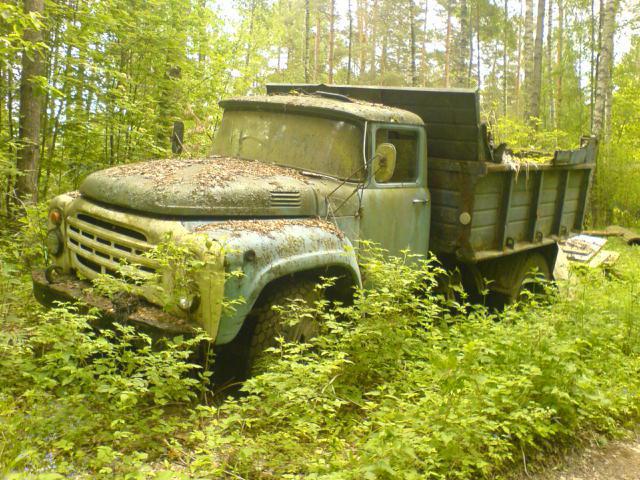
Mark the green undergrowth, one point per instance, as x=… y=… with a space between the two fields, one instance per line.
x=399 y=385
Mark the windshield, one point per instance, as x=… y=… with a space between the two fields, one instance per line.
x=316 y=144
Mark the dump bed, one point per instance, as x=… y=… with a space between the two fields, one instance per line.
x=483 y=210
x=485 y=204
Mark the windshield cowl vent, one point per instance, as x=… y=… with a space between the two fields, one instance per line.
x=285 y=199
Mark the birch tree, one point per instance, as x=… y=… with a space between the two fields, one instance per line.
x=604 y=68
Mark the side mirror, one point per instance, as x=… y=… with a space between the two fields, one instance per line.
x=384 y=162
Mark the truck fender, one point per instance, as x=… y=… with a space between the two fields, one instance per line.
x=502 y=272
x=256 y=260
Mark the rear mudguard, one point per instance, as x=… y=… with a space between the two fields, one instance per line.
x=259 y=252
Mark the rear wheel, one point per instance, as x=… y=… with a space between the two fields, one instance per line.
x=516 y=278
x=532 y=276
x=270 y=324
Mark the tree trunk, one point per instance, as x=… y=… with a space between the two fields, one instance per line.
x=202 y=33
x=447 y=51
x=592 y=72
x=332 y=27
x=603 y=85
x=316 y=48
x=528 y=53
x=383 y=57
x=425 y=66
x=470 y=66
x=461 y=74
x=412 y=27
x=536 y=84
x=350 y=44
x=247 y=58
x=362 y=52
x=10 y=121
x=307 y=27
x=479 y=76
x=504 y=60
x=516 y=93
x=549 y=82
x=30 y=110
x=373 y=40
x=559 y=62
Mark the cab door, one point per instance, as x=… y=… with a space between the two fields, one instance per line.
x=396 y=214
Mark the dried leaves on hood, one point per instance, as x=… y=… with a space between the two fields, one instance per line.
x=203 y=172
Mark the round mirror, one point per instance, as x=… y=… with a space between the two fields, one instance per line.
x=384 y=162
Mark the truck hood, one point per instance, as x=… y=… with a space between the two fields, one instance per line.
x=215 y=186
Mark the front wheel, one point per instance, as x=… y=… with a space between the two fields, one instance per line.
x=269 y=323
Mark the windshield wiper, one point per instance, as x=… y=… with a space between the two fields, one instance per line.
x=318 y=175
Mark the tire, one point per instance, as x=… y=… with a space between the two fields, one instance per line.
x=269 y=324
x=532 y=275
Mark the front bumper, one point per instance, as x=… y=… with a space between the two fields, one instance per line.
x=136 y=310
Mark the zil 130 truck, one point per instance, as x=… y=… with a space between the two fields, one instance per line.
x=297 y=178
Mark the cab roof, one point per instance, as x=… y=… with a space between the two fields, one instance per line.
x=336 y=107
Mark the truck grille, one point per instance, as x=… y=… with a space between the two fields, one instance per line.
x=102 y=247
x=286 y=199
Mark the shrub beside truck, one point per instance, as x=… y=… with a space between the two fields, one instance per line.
x=299 y=177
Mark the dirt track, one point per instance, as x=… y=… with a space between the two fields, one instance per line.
x=618 y=460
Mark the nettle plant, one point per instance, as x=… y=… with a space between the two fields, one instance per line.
x=72 y=397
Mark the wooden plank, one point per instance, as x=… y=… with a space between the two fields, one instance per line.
x=457 y=150
x=449 y=131
x=446 y=215
x=445 y=197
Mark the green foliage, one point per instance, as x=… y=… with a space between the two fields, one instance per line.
x=72 y=397
x=401 y=384
x=396 y=388
x=523 y=137
x=179 y=269
x=617 y=193
x=178 y=265
x=77 y=399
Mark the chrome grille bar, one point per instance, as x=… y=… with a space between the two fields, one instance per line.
x=101 y=250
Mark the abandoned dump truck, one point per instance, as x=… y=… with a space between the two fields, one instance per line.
x=298 y=177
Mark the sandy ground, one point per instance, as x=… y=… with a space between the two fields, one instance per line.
x=619 y=460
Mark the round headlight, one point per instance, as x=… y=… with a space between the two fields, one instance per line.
x=54 y=242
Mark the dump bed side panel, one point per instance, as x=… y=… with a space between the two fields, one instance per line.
x=477 y=216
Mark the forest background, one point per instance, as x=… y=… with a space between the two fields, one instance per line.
x=88 y=84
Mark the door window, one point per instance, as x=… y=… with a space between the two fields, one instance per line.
x=406 y=143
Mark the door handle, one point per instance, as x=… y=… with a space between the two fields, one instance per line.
x=418 y=201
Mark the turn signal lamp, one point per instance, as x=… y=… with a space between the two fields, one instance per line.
x=55 y=216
